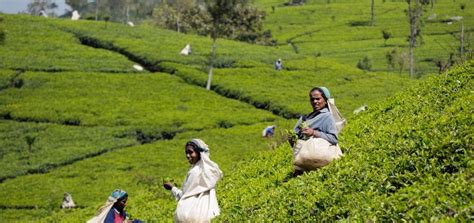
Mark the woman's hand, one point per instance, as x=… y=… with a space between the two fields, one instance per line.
x=291 y=140
x=310 y=132
x=168 y=185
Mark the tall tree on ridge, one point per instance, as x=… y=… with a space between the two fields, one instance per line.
x=372 y=13
x=229 y=18
x=414 y=17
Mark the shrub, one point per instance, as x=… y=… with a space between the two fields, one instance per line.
x=364 y=64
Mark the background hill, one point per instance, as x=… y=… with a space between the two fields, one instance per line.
x=77 y=117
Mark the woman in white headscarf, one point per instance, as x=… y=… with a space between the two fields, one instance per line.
x=197 y=200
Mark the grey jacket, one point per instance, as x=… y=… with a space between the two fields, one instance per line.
x=324 y=123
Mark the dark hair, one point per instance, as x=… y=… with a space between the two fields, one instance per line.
x=122 y=198
x=191 y=144
x=195 y=146
x=320 y=91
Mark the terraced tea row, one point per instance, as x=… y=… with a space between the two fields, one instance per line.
x=34 y=43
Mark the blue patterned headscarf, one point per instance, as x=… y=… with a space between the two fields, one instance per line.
x=118 y=194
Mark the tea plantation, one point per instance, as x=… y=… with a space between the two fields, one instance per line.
x=76 y=117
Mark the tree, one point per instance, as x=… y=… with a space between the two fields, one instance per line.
x=414 y=15
x=461 y=38
x=386 y=35
x=29 y=141
x=372 y=13
x=232 y=19
x=36 y=6
x=194 y=17
x=364 y=64
x=391 y=57
x=116 y=10
x=176 y=15
x=2 y=34
x=220 y=11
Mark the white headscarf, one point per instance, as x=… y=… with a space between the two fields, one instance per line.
x=209 y=172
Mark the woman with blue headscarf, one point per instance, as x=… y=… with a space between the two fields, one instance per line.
x=113 y=211
x=317 y=132
x=197 y=200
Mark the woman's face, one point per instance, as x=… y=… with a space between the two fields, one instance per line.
x=192 y=155
x=121 y=203
x=317 y=100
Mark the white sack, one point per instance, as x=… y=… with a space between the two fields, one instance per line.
x=314 y=153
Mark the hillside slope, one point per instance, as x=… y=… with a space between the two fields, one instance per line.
x=409 y=158
x=342 y=30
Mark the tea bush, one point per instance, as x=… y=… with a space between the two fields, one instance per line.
x=152 y=103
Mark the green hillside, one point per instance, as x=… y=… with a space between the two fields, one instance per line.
x=341 y=30
x=408 y=159
x=75 y=116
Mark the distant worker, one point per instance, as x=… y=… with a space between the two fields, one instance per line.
x=43 y=13
x=75 y=15
x=67 y=201
x=268 y=131
x=361 y=109
x=186 y=50
x=197 y=200
x=113 y=211
x=278 y=64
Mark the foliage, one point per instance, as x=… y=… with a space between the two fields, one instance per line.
x=182 y=16
x=116 y=10
x=47 y=6
x=2 y=33
x=240 y=22
x=364 y=64
x=386 y=35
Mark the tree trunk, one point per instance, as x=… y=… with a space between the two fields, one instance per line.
x=462 y=42
x=211 y=63
x=127 y=14
x=96 y=10
x=413 y=17
x=177 y=24
x=372 y=13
